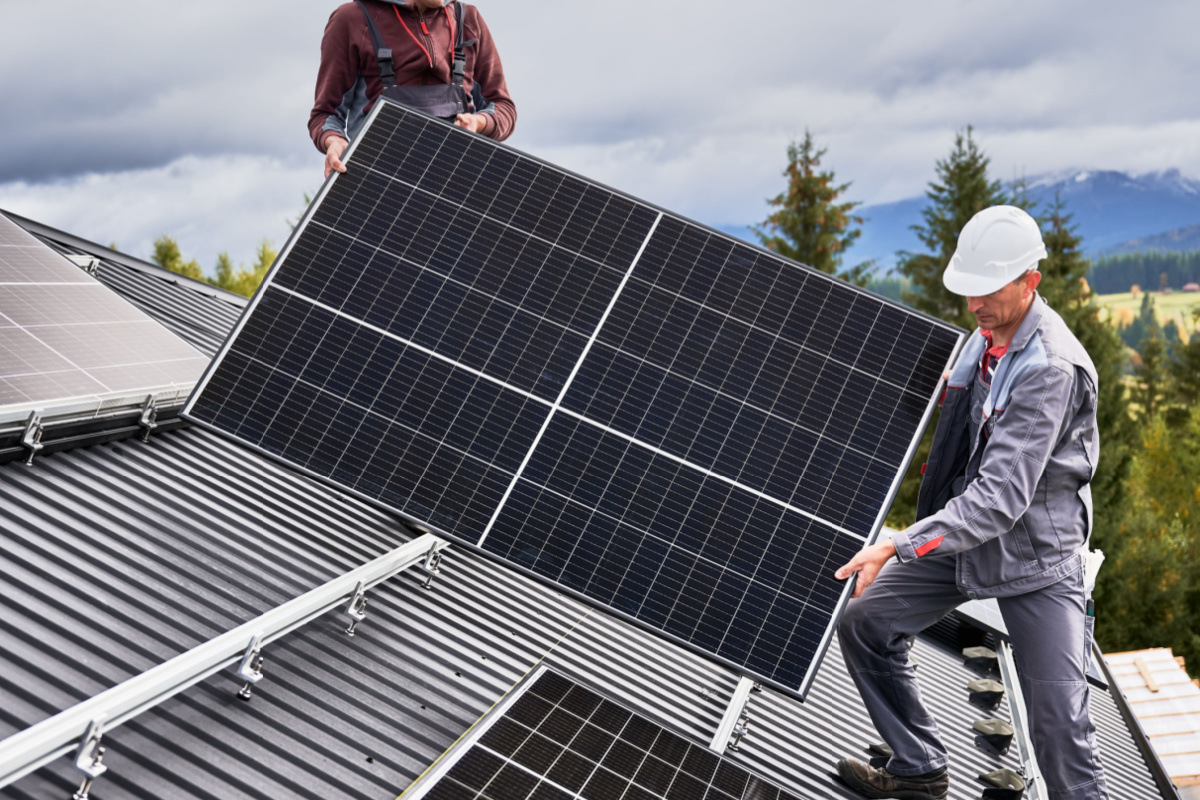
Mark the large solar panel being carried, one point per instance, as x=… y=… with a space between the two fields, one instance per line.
x=686 y=430
x=553 y=739
x=71 y=349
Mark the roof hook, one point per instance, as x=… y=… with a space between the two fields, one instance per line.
x=89 y=758
x=149 y=419
x=32 y=438
x=432 y=566
x=358 y=607
x=250 y=669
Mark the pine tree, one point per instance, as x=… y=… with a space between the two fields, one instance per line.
x=224 y=271
x=166 y=255
x=809 y=225
x=960 y=191
x=1065 y=288
x=1185 y=368
x=1151 y=377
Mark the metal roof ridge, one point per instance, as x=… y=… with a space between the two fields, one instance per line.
x=124 y=259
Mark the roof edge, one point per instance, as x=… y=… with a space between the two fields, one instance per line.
x=100 y=251
x=1140 y=738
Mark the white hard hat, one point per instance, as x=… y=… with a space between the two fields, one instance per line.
x=996 y=247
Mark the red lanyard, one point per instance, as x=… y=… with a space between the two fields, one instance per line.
x=425 y=50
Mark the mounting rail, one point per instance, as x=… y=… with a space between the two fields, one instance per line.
x=33 y=747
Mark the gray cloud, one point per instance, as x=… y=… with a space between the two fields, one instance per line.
x=689 y=104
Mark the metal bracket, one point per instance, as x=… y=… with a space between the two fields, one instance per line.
x=32 y=438
x=357 y=610
x=89 y=758
x=149 y=419
x=89 y=264
x=250 y=669
x=432 y=566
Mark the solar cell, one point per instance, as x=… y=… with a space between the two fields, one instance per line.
x=69 y=346
x=684 y=429
x=553 y=739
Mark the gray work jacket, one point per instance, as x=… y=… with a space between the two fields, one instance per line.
x=1024 y=518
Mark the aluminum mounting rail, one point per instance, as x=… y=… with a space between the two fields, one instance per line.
x=72 y=729
x=1035 y=785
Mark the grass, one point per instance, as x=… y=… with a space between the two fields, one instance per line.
x=1122 y=308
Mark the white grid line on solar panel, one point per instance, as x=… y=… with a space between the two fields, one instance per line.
x=74 y=366
x=587 y=348
x=821 y=435
x=694 y=552
x=779 y=336
x=568 y=412
x=700 y=426
x=390 y=422
x=508 y=225
x=825 y=557
x=745 y=403
x=707 y=786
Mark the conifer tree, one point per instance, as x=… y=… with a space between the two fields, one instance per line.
x=1151 y=377
x=1065 y=288
x=960 y=190
x=1185 y=368
x=808 y=224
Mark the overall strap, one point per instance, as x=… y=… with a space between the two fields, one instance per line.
x=383 y=55
x=458 y=68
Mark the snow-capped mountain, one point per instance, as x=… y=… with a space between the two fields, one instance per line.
x=1111 y=210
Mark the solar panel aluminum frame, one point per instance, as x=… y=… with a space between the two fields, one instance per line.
x=428 y=779
x=423 y=526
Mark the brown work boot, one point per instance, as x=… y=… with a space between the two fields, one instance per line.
x=879 y=783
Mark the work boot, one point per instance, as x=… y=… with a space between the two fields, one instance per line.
x=879 y=783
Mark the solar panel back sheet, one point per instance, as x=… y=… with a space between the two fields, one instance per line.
x=681 y=428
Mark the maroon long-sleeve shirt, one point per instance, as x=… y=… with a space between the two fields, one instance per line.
x=348 y=82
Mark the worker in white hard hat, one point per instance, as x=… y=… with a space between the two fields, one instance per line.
x=1004 y=511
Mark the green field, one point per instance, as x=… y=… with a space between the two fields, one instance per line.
x=1177 y=306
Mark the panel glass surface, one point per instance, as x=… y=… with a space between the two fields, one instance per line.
x=67 y=339
x=561 y=741
x=674 y=425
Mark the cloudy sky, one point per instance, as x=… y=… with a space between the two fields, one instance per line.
x=131 y=118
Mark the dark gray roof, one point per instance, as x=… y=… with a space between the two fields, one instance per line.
x=117 y=556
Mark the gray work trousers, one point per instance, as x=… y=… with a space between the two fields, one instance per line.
x=1051 y=637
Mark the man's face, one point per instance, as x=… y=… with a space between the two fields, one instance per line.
x=1005 y=306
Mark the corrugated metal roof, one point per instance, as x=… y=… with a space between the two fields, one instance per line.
x=117 y=556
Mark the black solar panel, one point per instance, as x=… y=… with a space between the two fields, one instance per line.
x=552 y=739
x=675 y=425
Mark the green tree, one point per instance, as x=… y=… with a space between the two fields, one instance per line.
x=224 y=271
x=166 y=255
x=1150 y=377
x=1063 y=285
x=808 y=224
x=1185 y=368
x=1152 y=578
x=960 y=190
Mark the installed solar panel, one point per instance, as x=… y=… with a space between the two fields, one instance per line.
x=552 y=739
x=69 y=345
x=685 y=429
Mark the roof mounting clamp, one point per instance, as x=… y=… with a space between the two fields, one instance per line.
x=149 y=419
x=431 y=566
x=250 y=669
x=735 y=724
x=89 y=758
x=32 y=438
x=357 y=611
x=89 y=264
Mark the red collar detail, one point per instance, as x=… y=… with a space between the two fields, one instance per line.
x=996 y=352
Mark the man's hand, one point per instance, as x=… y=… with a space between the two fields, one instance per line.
x=475 y=123
x=334 y=147
x=867 y=564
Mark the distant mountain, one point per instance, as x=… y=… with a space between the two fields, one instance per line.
x=1111 y=210
x=1180 y=240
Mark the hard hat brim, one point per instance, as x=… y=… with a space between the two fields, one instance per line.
x=966 y=285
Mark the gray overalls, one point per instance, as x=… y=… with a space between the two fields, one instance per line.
x=1004 y=511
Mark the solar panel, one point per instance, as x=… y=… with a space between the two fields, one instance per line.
x=70 y=347
x=686 y=430
x=553 y=739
